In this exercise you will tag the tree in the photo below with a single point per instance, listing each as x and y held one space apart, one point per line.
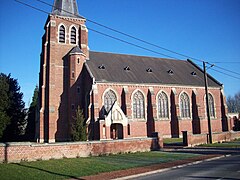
12 109
233 103
79 132
31 117
4 104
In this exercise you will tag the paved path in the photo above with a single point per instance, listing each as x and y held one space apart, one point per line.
224 168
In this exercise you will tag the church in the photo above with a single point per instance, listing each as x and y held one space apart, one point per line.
122 96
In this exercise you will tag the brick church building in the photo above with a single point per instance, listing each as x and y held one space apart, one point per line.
122 96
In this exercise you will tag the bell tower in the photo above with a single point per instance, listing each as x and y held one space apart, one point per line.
64 45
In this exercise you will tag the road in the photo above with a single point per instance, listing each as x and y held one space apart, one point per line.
225 168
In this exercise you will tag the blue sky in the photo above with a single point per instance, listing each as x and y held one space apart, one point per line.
204 29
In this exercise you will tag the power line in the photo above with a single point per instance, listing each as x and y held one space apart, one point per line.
31 6
233 72
130 42
233 62
104 34
225 74
128 35
227 70
138 39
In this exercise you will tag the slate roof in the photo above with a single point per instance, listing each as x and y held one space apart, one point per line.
67 8
76 50
120 68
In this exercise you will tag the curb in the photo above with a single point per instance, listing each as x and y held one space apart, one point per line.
170 168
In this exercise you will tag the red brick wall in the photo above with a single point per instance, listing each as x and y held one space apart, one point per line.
216 137
16 152
164 126
54 123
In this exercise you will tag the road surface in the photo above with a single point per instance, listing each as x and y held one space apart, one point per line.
225 168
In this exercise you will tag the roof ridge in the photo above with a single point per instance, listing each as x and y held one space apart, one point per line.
134 55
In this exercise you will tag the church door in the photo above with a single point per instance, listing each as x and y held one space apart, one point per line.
116 131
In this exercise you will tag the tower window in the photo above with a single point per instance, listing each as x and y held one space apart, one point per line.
78 89
62 34
73 35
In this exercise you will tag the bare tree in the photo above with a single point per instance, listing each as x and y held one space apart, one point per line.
233 103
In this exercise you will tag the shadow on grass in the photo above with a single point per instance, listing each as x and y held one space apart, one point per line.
208 150
50 172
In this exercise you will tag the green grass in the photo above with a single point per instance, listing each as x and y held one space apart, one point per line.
172 140
231 144
236 140
74 168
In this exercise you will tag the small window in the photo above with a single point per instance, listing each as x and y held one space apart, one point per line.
62 34
128 129
78 89
101 66
170 71
73 74
193 73
78 60
149 70
73 35
127 68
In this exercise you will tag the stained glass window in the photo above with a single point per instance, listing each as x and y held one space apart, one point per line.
162 105
109 98
211 105
138 105
184 106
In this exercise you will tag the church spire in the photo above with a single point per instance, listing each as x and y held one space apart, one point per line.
65 8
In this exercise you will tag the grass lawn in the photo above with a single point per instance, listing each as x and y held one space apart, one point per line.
172 140
231 144
78 167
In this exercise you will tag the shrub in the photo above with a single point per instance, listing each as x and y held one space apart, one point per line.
79 132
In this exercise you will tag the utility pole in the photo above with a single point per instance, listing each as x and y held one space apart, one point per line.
207 104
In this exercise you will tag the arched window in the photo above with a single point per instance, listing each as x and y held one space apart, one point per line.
138 105
211 105
162 105
184 106
73 35
62 34
109 98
